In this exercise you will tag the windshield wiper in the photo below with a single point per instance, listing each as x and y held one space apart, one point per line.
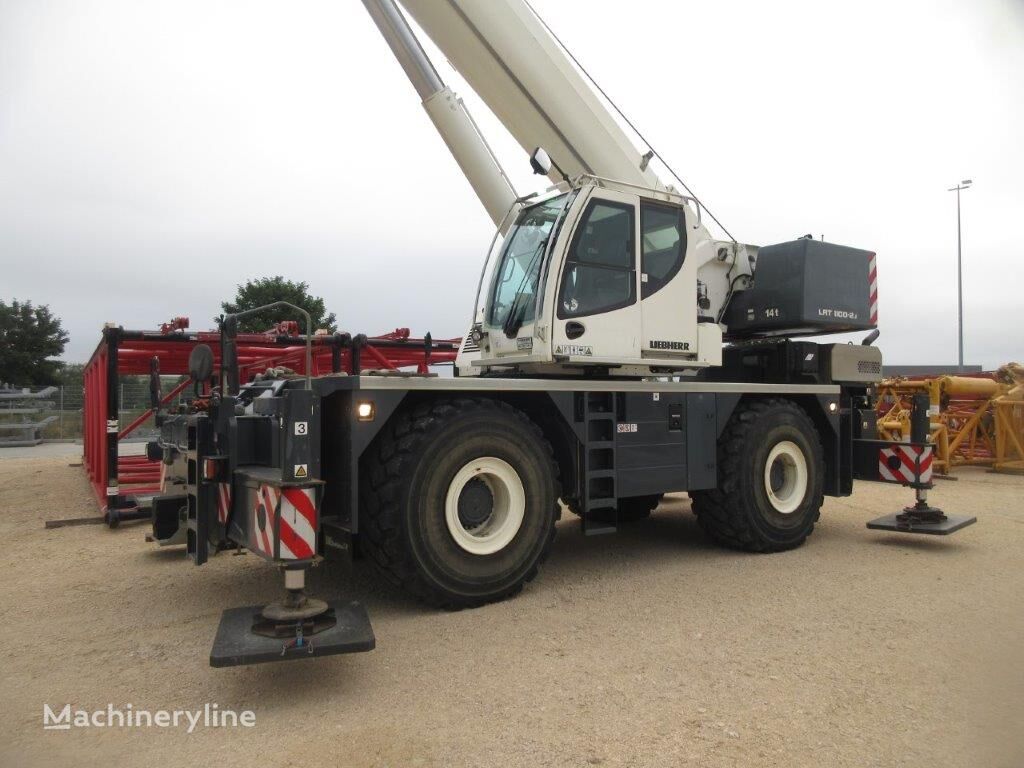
514 321
516 311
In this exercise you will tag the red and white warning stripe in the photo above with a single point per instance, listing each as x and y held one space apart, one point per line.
873 290
223 502
298 523
901 463
296 520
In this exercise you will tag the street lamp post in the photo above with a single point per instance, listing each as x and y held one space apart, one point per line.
965 184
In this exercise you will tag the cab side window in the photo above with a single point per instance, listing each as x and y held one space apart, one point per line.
662 245
600 268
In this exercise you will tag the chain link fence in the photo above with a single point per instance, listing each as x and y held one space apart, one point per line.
60 411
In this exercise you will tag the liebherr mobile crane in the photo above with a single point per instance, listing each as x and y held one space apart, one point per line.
617 352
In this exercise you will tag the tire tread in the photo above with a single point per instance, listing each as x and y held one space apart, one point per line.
720 511
389 461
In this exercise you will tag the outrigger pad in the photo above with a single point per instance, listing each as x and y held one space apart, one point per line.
951 524
236 644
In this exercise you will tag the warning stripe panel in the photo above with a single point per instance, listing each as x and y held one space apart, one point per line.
291 512
223 502
926 465
905 464
270 498
873 289
301 499
298 521
909 461
298 548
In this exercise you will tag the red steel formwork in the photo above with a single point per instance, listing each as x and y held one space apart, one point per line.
117 480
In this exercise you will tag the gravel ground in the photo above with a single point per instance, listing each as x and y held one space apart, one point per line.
71 450
647 648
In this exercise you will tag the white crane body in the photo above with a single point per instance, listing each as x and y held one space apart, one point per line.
595 294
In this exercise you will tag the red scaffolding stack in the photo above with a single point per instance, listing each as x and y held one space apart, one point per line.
119 480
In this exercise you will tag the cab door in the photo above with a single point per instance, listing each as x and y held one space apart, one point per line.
668 283
597 308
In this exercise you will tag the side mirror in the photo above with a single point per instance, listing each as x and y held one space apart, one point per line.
540 162
200 363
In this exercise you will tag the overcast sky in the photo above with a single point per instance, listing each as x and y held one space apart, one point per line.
155 154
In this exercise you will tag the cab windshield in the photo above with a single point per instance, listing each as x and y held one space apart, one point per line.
516 278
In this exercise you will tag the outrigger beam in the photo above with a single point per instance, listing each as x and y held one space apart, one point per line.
910 464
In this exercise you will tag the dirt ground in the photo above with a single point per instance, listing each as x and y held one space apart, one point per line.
647 648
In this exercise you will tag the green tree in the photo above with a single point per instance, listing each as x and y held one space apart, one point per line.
29 336
267 290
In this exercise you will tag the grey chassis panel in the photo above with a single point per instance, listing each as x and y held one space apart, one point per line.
388 392
475 384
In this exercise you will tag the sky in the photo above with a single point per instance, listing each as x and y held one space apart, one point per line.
154 155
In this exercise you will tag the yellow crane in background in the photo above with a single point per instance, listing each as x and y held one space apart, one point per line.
974 420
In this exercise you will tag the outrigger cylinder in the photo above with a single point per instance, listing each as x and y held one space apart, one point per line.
447 111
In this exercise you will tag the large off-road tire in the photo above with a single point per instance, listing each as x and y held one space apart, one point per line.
630 510
771 470
458 501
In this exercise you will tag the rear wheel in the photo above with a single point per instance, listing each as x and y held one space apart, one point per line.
459 501
771 474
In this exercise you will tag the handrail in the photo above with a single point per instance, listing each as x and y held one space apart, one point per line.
235 316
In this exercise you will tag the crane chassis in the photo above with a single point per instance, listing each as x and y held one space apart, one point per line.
617 352
452 487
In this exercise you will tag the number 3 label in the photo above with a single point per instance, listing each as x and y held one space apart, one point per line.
301 427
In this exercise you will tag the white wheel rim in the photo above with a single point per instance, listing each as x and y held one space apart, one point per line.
507 511
793 466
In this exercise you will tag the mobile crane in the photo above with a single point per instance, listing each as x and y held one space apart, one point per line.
595 373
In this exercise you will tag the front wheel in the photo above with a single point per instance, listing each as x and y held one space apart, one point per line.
771 474
459 501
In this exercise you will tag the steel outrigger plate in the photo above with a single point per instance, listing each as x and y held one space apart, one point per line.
236 643
902 523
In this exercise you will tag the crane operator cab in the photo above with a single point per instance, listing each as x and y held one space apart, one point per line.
597 275
601 275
